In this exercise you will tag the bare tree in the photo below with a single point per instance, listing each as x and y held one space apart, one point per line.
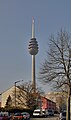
61 102
25 96
56 68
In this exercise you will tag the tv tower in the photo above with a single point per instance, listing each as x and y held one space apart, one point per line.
33 50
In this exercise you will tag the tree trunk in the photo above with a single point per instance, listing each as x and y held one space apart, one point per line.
68 106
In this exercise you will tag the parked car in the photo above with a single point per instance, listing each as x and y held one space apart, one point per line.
39 113
17 116
50 112
21 116
25 116
4 116
62 116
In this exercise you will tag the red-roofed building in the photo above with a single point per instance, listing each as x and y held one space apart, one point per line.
45 103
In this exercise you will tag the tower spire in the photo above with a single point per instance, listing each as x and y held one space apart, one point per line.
33 28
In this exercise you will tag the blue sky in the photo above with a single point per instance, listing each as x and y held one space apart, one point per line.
15 32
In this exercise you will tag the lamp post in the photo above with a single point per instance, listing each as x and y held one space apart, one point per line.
15 89
0 99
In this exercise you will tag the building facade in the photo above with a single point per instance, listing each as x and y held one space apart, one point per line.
45 103
48 104
59 98
13 93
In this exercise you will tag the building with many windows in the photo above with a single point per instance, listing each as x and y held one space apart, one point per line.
59 98
48 104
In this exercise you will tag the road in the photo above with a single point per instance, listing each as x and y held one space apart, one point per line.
48 118
52 118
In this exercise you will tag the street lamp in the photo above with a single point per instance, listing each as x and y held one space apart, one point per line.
15 89
0 99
